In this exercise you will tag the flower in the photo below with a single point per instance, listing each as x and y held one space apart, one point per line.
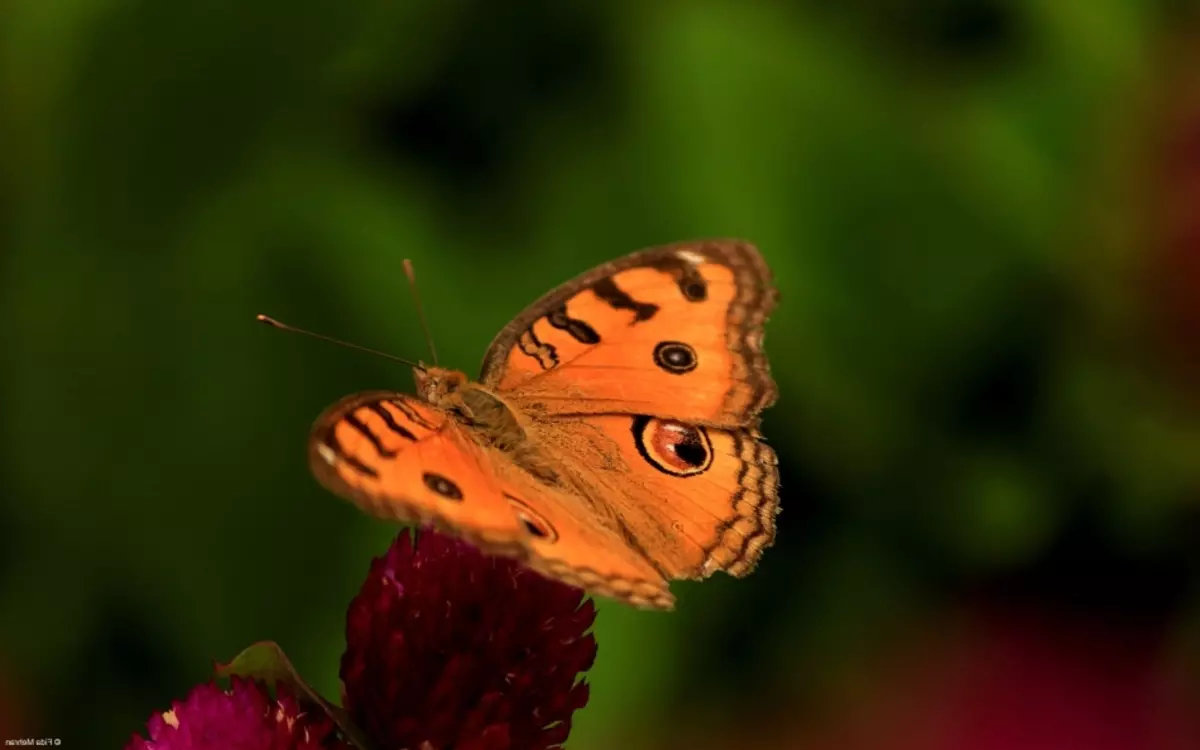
245 717
446 648
449 648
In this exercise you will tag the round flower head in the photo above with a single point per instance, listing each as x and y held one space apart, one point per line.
449 648
245 717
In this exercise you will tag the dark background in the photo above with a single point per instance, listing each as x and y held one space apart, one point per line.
983 220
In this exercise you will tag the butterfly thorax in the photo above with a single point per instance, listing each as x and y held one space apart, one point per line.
472 405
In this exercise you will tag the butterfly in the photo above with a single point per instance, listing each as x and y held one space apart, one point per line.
611 441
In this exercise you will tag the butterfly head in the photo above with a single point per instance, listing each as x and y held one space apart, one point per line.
435 384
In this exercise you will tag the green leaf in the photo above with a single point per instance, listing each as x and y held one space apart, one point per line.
266 661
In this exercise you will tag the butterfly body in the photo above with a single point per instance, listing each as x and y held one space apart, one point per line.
483 416
611 440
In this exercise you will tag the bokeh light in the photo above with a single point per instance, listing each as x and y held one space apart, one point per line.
983 218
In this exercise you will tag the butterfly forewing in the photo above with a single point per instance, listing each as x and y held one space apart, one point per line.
675 332
399 458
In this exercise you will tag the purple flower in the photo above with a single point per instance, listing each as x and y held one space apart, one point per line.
449 648
446 649
245 717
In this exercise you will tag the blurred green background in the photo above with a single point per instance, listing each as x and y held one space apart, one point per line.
983 217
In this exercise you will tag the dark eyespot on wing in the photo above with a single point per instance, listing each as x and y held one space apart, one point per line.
692 451
687 277
615 297
674 448
675 357
442 486
578 329
533 522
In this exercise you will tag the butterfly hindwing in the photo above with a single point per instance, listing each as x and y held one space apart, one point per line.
690 499
644 378
674 332
576 543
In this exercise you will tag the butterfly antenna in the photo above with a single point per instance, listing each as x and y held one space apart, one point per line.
292 329
412 284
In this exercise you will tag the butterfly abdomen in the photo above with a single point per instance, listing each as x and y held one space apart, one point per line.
491 417
495 424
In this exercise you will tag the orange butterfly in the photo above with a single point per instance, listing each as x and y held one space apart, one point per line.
611 440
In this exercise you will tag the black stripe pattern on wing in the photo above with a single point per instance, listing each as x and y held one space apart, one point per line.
335 447
531 346
353 420
687 277
577 329
412 415
390 421
608 291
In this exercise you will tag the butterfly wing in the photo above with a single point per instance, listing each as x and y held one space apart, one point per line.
580 544
399 458
639 384
673 332
644 379
690 499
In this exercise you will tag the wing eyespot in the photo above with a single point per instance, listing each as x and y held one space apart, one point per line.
675 357
674 448
684 268
606 290
695 291
533 522
442 486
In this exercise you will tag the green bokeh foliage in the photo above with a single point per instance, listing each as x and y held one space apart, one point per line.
927 198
